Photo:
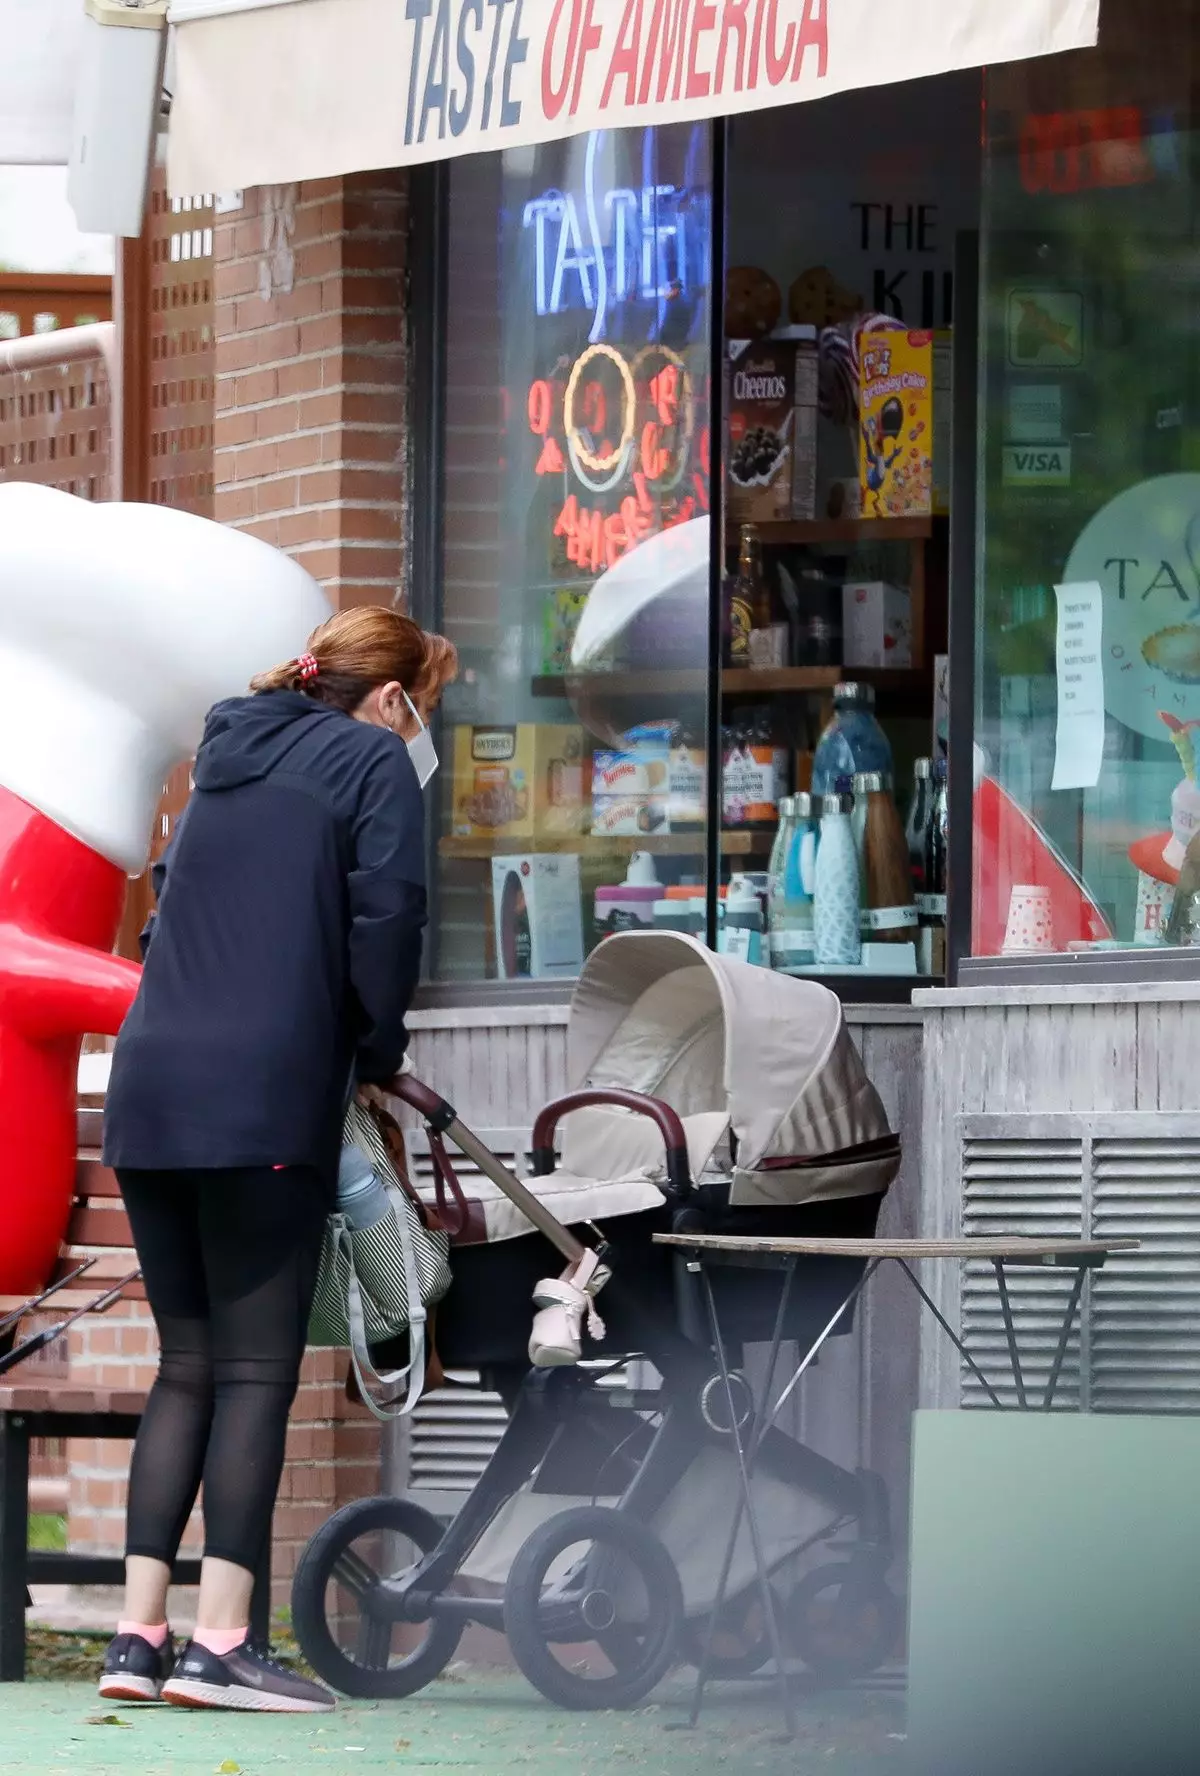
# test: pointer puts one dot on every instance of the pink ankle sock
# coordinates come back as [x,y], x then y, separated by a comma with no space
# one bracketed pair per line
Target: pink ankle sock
[219,1640]
[154,1632]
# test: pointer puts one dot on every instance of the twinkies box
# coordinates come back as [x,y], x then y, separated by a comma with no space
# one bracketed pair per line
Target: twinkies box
[631,784]
[520,782]
[538,917]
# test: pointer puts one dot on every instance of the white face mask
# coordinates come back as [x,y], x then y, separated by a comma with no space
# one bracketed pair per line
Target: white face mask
[421,749]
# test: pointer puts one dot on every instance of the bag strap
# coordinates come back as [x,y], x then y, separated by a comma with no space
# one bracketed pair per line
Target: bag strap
[392,1136]
[367,1376]
[446,1180]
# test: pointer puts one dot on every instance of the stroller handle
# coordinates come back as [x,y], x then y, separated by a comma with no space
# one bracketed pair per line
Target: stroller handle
[679,1171]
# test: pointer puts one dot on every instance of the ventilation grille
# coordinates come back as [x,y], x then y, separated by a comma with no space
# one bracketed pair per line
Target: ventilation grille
[1029,1188]
[1145,1334]
[1136,1344]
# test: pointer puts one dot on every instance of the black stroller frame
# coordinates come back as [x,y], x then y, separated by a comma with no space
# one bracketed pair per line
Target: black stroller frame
[551,1409]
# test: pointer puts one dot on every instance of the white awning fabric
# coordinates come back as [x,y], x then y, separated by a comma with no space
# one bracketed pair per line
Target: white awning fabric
[39,65]
[271,91]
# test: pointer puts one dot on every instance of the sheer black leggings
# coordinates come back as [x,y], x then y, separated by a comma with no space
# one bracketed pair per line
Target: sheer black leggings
[230,1261]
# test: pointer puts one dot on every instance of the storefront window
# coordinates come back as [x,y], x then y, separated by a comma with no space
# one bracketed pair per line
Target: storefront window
[1087,801]
[576,549]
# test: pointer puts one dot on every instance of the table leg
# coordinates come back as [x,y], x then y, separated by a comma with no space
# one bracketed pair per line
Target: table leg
[14,1538]
[952,1335]
[1064,1339]
[815,1349]
[1010,1333]
[745,1505]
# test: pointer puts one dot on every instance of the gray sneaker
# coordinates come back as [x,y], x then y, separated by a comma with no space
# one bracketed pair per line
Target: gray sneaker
[247,1678]
[135,1671]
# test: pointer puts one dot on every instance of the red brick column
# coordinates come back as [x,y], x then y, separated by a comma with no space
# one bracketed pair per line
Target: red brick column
[311,427]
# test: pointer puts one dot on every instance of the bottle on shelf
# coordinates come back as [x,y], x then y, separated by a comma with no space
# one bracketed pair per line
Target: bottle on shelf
[889,912]
[741,933]
[754,775]
[768,647]
[745,594]
[932,900]
[790,893]
[920,813]
[837,936]
[852,742]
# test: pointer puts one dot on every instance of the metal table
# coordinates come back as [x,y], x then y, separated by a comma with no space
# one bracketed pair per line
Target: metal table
[703,1251]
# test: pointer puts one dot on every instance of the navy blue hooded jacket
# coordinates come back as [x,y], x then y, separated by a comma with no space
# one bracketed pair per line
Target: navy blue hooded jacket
[285,949]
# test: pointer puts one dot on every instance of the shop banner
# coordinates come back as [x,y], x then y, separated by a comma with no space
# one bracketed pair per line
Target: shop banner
[282,91]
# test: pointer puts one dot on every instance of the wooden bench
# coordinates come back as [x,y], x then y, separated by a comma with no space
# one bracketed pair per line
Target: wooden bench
[41,1404]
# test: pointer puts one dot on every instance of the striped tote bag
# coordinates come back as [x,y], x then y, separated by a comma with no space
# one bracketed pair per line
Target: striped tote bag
[378,1282]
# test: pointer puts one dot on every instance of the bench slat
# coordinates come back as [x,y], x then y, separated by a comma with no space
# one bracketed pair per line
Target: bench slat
[107,1227]
[94,1179]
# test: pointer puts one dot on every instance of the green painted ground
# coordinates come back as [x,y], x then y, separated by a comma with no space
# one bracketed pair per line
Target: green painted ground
[475,1723]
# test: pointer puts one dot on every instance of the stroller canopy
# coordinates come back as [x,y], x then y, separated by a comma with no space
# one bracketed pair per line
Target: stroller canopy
[659,1013]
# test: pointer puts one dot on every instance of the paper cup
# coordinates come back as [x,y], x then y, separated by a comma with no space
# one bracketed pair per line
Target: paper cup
[1030,929]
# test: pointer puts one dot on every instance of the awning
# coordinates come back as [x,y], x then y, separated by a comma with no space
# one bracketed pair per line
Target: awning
[39,62]
[271,91]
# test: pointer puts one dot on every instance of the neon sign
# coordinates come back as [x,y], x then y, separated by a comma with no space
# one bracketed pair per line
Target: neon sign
[609,247]
[1065,152]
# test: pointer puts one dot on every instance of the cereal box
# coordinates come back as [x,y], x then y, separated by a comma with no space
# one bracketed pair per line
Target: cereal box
[772,405]
[520,782]
[896,424]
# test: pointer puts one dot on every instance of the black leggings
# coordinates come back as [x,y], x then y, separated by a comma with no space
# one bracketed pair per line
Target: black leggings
[229,1260]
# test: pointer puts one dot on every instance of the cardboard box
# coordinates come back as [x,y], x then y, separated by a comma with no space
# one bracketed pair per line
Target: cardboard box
[521,782]
[772,402]
[537,917]
[896,424]
[631,784]
[943,425]
[876,624]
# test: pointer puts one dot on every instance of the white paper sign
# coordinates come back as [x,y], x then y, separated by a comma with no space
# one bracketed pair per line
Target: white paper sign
[1079,739]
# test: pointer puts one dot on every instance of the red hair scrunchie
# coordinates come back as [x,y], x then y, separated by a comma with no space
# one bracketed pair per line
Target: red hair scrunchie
[309,667]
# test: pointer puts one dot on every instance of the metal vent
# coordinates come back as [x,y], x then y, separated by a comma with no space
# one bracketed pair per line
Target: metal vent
[1145,1336]
[1133,1175]
[1031,1188]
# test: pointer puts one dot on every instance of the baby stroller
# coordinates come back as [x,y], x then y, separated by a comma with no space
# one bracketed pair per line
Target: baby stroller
[710,1096]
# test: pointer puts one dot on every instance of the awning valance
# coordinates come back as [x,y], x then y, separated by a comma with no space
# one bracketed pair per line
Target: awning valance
[271,91]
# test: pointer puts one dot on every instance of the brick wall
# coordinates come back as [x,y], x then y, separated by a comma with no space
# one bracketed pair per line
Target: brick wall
[311,414]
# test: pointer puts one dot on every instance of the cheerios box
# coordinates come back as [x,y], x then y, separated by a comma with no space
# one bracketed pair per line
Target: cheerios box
[520,782]
[896,402]
[771,399]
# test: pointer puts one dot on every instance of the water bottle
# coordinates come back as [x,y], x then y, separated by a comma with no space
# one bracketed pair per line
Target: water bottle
[837,938]
[852,743]
[790,910]
[361,1197]
[920,813]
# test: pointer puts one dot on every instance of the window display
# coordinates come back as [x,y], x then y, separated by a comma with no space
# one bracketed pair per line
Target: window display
[1088,671]
[575,569]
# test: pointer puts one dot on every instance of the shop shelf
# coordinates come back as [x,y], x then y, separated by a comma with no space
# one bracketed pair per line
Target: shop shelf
[738,682]
[733,844]
[781,533]
[688,683]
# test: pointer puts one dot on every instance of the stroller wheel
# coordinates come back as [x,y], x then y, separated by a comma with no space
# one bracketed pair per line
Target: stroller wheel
[601,1588]
[343,1618]
[742,1644]
[843,1621]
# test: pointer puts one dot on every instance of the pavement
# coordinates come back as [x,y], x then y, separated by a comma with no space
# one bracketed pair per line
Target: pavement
[472,1722]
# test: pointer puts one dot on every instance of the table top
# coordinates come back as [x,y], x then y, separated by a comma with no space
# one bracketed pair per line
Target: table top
[1029,1250]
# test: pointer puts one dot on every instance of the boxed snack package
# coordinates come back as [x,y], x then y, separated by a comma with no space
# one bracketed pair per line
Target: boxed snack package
[520,781]
[772,407]
[538,916]
[896,424]
[876,624]
[631,783]
[560,619]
